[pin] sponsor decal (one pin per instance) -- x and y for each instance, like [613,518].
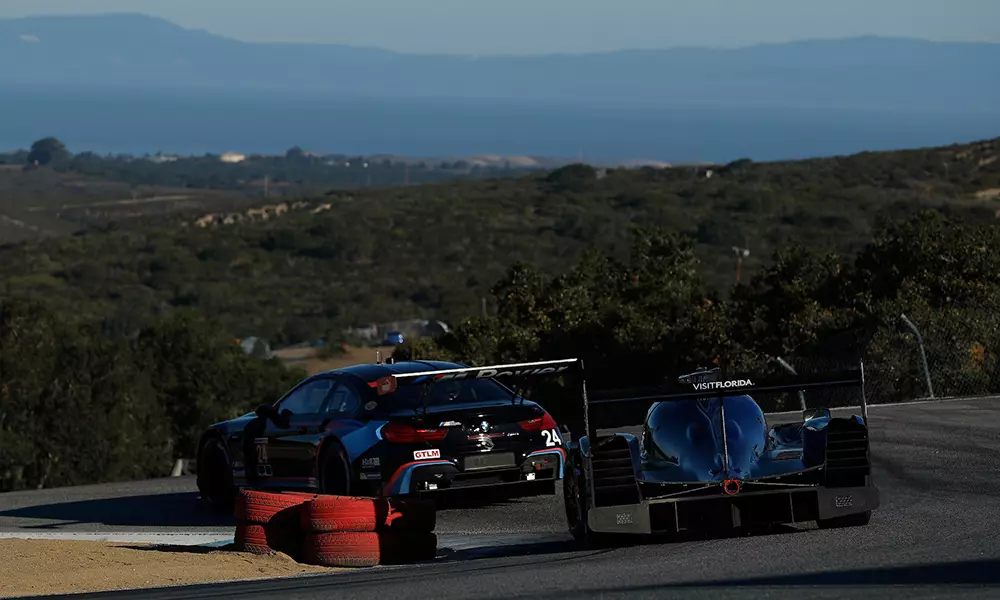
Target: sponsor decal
[489,373]
[425,454]
[385,385]
[371,405]
[843,501]
[489,435]
[367,463]
[716,385]
[371,476]
[450,424]
[788,455]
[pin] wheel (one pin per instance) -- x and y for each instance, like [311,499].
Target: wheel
[855,520]
[334,472]
[215,475]
[575,500]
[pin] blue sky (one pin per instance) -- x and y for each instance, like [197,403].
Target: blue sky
[534,26]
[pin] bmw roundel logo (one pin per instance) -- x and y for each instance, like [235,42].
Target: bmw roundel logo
[484,426]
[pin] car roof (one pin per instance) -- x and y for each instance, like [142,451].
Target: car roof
[371,372]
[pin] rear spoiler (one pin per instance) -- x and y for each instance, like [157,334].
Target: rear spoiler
[545,368]
[614,408]
[529,369]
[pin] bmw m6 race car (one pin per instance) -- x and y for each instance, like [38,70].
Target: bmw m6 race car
[705,458]
[397,429]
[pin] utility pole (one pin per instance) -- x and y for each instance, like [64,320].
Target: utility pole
[741,253]
[266,181]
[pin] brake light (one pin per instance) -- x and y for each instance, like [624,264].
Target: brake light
[399,433]
[538,424]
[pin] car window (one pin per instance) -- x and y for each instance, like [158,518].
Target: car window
[309,399]
[344,401]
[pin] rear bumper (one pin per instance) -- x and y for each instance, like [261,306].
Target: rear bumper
[672,515]
[439,476]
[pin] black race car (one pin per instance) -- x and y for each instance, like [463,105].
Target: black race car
[408,428]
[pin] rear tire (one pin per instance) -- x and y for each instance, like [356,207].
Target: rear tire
[334,472]
[215,475]
[855,520]
[575,500]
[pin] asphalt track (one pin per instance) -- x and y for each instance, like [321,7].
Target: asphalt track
[935,535]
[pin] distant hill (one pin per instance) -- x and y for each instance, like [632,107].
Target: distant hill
[857,73]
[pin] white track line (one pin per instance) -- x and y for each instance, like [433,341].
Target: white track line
[173,539]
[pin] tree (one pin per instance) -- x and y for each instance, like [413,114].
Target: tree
[48,151]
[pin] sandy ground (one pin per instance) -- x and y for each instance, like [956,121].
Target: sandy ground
[36,567]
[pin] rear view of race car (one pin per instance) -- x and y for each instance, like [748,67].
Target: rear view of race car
[706,458]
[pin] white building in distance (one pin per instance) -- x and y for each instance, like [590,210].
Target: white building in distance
[232,157]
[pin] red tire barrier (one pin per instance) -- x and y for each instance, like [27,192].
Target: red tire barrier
[367,549]
[346,513]
[267,507]
[343,513]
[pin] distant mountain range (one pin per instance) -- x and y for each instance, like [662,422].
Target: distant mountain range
[867,73]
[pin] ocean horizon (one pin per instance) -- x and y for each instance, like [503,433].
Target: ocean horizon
[196,122]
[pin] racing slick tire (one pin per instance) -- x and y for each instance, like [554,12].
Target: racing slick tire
[265,508]
[575,499]
[334,471]
[367,549]
[856,520]
[214,475]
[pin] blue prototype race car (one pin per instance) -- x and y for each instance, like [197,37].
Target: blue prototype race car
[704,457]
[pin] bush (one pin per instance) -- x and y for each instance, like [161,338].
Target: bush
[79,405]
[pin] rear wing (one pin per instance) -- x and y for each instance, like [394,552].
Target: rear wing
[529,369]
[615,408]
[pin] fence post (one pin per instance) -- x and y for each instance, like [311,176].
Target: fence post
[790,369]
[923,353]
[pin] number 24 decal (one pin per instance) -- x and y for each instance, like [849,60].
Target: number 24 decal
[551,437]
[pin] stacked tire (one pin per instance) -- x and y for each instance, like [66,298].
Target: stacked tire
[342,531]
[267,523]
[336,531]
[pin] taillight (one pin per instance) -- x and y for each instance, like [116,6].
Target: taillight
[399,433]
[538,424]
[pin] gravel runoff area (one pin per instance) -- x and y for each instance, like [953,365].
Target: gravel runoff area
[936,535]
[58,566]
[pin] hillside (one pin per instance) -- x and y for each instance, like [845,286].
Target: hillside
[128,50]
[73,191]
[372,255]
